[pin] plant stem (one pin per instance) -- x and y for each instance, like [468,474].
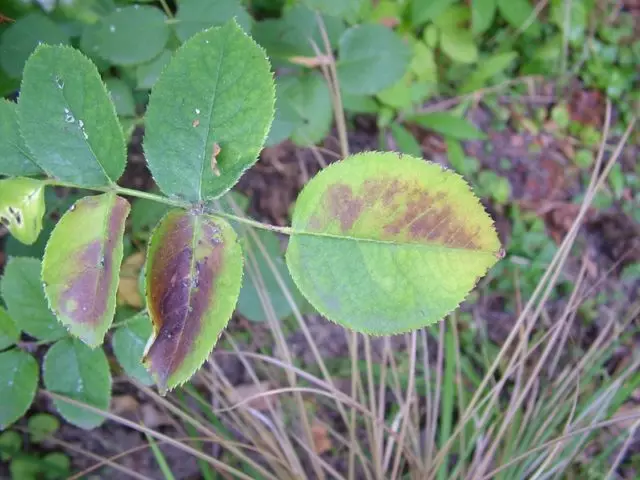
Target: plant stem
[166,8]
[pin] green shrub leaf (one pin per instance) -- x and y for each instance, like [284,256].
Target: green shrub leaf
[486,69]
[23,36]
[482,15]
[23,293]
[196,15]
[387,244]
[449,125]
[519,13]
[41,426]
[304,110]
[121,96]
[193,276]
[259,277]
[18,383]
[81,265]
[424,10]
[22,207]
[405,140]
[215,96]
[371,58]
[15,159]
[131,35]
[10,444]
[76,371]
[67,119]
[148,73]
[128,344]
[458,45]
[9,333]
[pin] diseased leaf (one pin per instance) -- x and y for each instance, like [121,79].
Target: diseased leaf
[386,244]
[259,277]
[15,159]
[18,383]
[22,37]
[128,345]
[193,276]
[23,293]
[371,58]
[224,105]
[196,15]
[22,207]
[118,38]
[76,371]
[67,119]
[9,333]
[81,265]
[449,125]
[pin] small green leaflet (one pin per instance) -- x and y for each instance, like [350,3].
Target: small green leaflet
[18,383]
[385,244]
[67,119]
[15,159]
[128,343]
[22,291]
[9,333]
[193,277]
[81,265]
[449,125]
[210,121]
[74,370]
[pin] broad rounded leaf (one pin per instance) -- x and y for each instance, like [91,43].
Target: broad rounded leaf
[15,159]
[371,58]
[259,277]
[458,45]
[81,265]
[386,244]
[22,207]
[449,125]
[304,110]
[193,276]
[9,332]
[23,36]
[121,96]
[131,35]
[23,293]
[128,345]
[76,371]
[18,383]
[209,114]
[67,119]
[196,15]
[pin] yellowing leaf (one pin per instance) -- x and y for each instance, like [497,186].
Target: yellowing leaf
[193,276]
[385,244]
[22,207]
[81,265]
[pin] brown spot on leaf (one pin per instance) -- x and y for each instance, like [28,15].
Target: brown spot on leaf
[86,298]
[343,205]
[181,289]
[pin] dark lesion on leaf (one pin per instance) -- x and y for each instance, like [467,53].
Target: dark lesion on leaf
[344,205]
[181,291]
[86,299]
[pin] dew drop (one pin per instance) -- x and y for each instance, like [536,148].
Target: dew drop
[118,9]
[73,207]
[206,41]
[45,284]
[197,111]
[59,82]
[84,134]
[112,28]
[190,309]
[80,123]
[136,7]
[68,116]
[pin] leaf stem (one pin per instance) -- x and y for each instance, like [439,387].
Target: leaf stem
[166,8]
[254,223]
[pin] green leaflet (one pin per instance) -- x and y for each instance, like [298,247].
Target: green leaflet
[23,36]
[449,125]
[386,244]
[22,207]
[74,370]
[209,114]
[193,277]
[128,344]
[371,58]
[18,383]
[67,119]
[22,291]
[15,159]
[9,333]
[81,265]
[196,15]
[130,35]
